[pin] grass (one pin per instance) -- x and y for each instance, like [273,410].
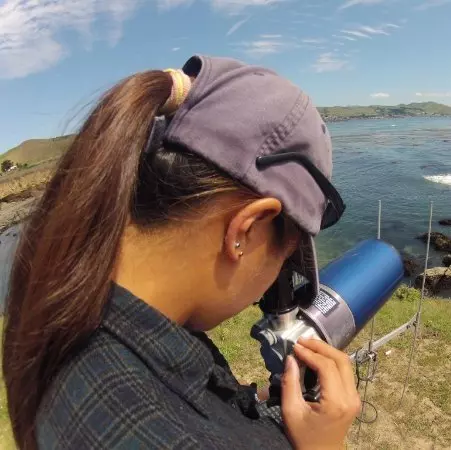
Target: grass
[412,109]
[30,179]
[36,151]
[424,419]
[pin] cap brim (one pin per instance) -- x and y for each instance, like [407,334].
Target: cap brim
[305,262]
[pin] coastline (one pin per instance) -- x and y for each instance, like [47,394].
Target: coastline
[335,119]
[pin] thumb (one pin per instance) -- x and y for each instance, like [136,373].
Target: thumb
[292,399]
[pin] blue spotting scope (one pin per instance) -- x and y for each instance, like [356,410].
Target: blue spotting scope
[352,290]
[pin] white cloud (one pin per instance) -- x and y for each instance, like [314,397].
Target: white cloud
[380,95]
[328,62]
[347,38]
[365,31]
[371,30]
[230,5]
[175,49]
[237,25]
[433,94]
[262,47]
[30,30]
[356,33]
[431,4]
[270,36]
[313,41]
[350,3]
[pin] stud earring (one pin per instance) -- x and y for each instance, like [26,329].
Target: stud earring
[240,254]
[237,245]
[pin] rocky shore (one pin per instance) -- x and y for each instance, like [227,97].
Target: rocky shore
[438,279]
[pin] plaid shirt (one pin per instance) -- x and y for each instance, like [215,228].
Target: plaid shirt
[143,382]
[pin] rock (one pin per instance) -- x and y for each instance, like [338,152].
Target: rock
[445,222]
[437,279]
[24,195]
[440,241]
[411,264]
[447,260]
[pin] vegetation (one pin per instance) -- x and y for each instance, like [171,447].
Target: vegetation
[6,165]
[424,418]
[18,186]
[338,113]
[36,151]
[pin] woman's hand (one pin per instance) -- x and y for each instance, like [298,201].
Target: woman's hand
[323,425]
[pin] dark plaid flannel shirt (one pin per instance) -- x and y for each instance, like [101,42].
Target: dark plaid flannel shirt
[143,382]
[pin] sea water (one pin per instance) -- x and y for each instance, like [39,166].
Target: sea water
[405,163]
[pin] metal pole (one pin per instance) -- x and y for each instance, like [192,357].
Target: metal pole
[370,343]
[355,357]
[420,306]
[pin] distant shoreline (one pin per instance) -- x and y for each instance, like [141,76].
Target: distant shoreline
[332,119]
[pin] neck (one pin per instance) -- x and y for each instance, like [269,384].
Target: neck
[169,270]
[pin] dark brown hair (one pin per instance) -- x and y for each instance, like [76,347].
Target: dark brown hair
[62,271]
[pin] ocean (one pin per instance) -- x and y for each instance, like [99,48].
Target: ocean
[405,163]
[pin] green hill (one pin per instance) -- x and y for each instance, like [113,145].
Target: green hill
[337,113]
[36,151]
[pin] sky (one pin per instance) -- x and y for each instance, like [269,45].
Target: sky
[57,56]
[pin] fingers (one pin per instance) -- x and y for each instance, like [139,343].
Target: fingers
[340,358]
[342,365]
[326,369]
[291,387]
[291,397]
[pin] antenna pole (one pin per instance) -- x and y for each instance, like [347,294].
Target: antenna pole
[370,343]
[420,306]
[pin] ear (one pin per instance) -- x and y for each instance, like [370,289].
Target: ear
[237,235]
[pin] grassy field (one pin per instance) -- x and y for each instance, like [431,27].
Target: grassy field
[424,419]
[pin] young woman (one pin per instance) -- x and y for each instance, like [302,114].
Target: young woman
[160,223]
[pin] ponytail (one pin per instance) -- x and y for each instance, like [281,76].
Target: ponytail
[64,263]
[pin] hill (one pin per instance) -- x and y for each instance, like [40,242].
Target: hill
[36,151]
[338,113]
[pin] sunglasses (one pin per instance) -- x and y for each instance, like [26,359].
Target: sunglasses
[335,206]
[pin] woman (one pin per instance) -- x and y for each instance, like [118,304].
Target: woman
[158,225]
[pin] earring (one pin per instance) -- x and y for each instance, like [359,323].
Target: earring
[237,245]
[240,254]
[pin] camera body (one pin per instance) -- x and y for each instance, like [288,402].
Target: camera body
[277,334]
[353,288]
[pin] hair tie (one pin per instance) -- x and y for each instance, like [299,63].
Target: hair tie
[181,85]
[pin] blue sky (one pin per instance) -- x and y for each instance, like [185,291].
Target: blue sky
[56,56]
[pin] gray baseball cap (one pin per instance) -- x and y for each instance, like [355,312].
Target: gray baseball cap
[264,132]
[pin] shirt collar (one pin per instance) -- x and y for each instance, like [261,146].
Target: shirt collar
[176,356]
